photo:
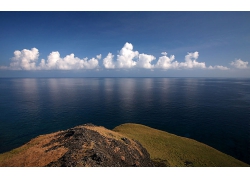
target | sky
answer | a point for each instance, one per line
(125, 44)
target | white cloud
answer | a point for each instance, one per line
(99, 56)
(69, 62)
(25, 59)
(239, 64)
(108, 61)
(190, 61)
(165, 62)
(91, 64)
(144, 61)
(218, 67)
(126, 56)
(164, 53)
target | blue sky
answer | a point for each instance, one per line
(125, 44)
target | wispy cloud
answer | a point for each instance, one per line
(218, 67)
(238, 63)
(99, 56)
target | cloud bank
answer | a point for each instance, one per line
(69, 62)
(27, 60)
(127, 58)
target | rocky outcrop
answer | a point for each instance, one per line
(85, 146)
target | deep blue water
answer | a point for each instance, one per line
(214, 111)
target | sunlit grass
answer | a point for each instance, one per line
(168, 149)
(32, 154)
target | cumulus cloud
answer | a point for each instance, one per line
(69, 62)
(190, 61)
(144, 61)
(25, 59)
(108, 61)
(239, 64)
(165, 62)
(126, 58)
(28, 60)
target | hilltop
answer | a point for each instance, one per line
(86, 145)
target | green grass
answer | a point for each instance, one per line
(167, 149)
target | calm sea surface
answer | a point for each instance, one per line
(214, 111)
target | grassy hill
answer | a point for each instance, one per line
(81, 146)
(90, 145)
(168, 149)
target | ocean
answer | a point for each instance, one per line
(214, 111)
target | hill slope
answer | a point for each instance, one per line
(126, 145)
(86, 145)
(168, 149)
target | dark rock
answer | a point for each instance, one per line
(87, 147)
(125, 140)
(69, 133)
